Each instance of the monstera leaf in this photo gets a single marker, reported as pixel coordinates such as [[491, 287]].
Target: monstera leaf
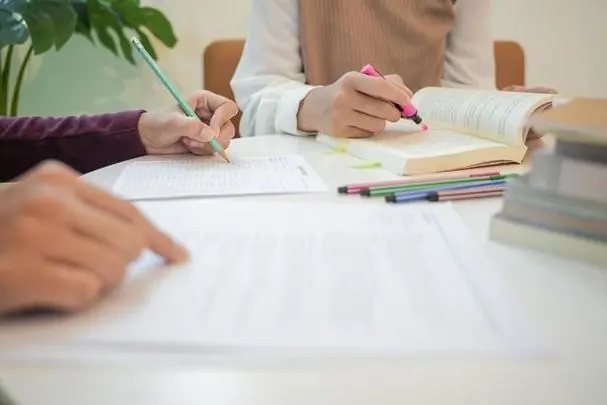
[[46, 23], [51, 23], [113, 22]]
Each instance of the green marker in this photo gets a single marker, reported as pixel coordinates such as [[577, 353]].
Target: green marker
[[181, 101], [384, 191]]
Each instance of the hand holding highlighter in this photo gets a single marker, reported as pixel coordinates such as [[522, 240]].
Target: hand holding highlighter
[[407, 111], [354, 106]]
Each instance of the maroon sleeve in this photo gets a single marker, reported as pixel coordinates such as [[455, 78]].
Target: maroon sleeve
[[85, 143]]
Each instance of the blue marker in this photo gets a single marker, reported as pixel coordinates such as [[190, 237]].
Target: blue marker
[[417, 195]]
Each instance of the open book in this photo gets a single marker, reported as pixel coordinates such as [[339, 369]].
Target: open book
[[467, 128]]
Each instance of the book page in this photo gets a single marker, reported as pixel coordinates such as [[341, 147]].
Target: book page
[[433, 142], [497, 115], [191, 176], [301, 278]]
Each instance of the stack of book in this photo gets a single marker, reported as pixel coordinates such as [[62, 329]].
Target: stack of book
[[560, 205]]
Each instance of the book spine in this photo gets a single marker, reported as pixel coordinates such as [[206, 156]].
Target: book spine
[[567, 176], [581, 151]]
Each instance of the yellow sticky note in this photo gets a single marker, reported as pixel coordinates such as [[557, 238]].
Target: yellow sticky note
[[338, 149], [368, 165]]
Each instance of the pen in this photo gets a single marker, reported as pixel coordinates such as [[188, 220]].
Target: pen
[[397, 196], [452, 196], [383, 191], [181, 101], [357, 188], [443, 195], [407, 111]]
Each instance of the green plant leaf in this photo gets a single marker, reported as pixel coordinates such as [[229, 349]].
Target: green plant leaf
[[41, 28], [147, 44], [83, 20], [46, 22], [101, 20], [13, 30], [159, 26], [63, 17]]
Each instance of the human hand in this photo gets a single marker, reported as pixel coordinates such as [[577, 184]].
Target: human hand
[[355, 106], [533, 134], [172, 132], [64, 244]]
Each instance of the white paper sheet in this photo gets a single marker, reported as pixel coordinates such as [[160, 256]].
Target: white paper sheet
[[300, 278], [205, 176]]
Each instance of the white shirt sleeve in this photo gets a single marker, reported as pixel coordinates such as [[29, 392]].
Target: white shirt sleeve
[[268, 83], [469, 57]]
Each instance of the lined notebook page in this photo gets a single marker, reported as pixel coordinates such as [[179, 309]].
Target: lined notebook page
[[174, 177], [301, 278], [499, 115]]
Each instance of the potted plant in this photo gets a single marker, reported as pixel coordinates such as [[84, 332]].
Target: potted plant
[[38, 26]]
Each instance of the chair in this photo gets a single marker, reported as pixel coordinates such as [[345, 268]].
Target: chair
[[221, 57], [509, 64], [219, 62]]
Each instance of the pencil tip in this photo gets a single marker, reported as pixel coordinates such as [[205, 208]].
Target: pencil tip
[[225, 156]]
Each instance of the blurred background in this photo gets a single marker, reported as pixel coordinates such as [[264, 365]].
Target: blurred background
[[565, 44]]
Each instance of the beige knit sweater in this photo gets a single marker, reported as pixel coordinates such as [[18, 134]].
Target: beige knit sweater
[[406, 37]]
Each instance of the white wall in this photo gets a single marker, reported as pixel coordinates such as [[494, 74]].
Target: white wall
[[565, 43]]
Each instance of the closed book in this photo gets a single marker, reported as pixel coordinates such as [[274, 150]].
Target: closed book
[[581, 151], [519, 234], [563, 175]]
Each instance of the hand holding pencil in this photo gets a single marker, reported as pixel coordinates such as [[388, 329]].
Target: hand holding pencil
[[172, 132], [206, 127]]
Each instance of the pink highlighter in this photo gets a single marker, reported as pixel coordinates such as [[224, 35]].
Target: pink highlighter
[[408, 111]]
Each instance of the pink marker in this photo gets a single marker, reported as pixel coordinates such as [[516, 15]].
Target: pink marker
[[408, 111]]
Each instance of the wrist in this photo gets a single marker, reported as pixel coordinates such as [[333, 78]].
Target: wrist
[[307, 114], [144, 128]]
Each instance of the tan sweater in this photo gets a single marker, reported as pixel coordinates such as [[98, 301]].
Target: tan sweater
[[406, 37]]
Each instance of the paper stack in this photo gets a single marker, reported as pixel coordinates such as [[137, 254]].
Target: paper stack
[[560, 205]]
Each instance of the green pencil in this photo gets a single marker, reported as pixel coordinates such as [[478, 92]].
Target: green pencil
[[384, 191], [181, 101]]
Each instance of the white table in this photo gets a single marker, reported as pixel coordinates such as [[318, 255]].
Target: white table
[[567, 302]]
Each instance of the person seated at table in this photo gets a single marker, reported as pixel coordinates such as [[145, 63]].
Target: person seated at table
[[64, 244], [88, 143], [298, 73]]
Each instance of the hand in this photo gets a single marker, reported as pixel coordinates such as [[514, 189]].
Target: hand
[[532, 134], [172, 132], [355, 106], [64, 244], [523, 89]]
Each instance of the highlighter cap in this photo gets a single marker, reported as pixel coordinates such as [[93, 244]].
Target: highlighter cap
[[416, 118]]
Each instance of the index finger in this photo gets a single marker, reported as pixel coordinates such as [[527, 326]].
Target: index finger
[[379, 88], [157, 241], [206, 102], [222, 114]]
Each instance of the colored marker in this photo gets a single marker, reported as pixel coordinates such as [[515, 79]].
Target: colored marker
[[465, 196], [383, 191], [181, 101], [407, 111], [394, 197], [358, 187]]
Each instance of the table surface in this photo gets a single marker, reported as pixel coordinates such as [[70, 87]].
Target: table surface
[[566, 301]]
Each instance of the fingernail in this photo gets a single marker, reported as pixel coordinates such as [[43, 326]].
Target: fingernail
[[180, 254]]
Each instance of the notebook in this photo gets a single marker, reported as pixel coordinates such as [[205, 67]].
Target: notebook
[[467, 128]]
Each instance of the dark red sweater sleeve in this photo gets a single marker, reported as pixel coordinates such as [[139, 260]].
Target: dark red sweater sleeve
[[85, 143]]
